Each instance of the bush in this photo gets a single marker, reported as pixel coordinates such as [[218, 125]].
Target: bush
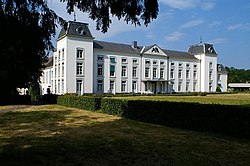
[[49, 98], [82, 102]]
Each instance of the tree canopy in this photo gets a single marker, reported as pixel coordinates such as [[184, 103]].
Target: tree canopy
[[28, 25], [238, 75]]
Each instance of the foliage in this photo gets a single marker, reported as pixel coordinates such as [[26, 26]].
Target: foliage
[[238, 75], [34, 90], [82, 102]]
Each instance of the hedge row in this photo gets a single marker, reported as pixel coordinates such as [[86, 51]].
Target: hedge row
[[224, 119], [18, 99], [82, 102]]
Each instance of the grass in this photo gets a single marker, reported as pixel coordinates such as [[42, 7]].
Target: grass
[[228, 99], [56, 135]]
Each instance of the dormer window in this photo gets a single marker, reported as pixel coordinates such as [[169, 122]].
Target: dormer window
[[124, 60], [80, 31], [155, 50]]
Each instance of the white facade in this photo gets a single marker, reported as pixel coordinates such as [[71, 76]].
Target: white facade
[[84, 65]]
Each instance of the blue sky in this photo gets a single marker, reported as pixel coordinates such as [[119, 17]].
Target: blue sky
[[181, 23]]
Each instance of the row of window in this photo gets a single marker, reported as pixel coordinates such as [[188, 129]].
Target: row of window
[[180, 86], [180, 71], [181, 65]]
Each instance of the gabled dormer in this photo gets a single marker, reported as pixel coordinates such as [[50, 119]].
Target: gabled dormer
[[153, 50]]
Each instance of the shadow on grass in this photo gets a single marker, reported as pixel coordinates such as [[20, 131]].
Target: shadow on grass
[[57, 138]]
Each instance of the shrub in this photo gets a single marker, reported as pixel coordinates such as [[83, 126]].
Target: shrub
[[82, 102], [49, 98]]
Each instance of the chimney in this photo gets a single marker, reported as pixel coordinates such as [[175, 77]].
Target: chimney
[[134, 44]]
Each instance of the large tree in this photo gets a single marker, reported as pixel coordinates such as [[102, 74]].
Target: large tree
[[28, 25]]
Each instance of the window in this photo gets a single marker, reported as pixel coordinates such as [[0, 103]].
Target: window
[[180, 64], [63, 54], [124, 71], [154, 72], [59, 70], [55, 59], [80, 54], [219, 77], [172, 73], [135, 61], [99, 69], [55, 71], [111, 86], [79, 69], [210, 65], [179, 86], [210, 87], [134, 73], [154, 62], [187, 65], [194, 86], [79, 87], [161, 63], [147, 72], [210, 75], [187, 86], [172, 64], [100, 57], [124, 60], [195, 74], [62, 69], [123, 87], [59, 86], [62, 86], [99, 86], [161, 73], [112, 60], [147, 62], [195, 66], [112, 70], [180, 74], [59, 55], [187, 74], [134, 86]]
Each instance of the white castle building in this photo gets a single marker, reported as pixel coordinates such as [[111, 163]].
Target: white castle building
[[82, 64]]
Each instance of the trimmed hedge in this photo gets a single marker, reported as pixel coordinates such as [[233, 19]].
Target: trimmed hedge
[[224, 119], [82, 102], [18, 99]]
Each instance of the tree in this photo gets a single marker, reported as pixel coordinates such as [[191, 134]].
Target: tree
[[28, 25]]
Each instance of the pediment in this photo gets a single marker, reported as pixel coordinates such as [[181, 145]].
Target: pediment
[[154, 50]]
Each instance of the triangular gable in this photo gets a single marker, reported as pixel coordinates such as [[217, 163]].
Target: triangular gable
[[154, 50]]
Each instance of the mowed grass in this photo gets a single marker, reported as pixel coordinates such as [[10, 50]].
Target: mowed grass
[[227, 99], [56, 135]]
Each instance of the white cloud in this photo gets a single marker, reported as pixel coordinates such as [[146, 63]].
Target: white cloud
[[180, 4], [188, 4], [218, 41], [192, 23], [175, 36], [245, 27], [208, 5], [214, 24]]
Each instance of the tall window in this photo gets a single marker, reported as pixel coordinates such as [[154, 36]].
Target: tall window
[[100, 57], [187, 74], [79, 87], [135, 61], [195, 87], [111, 86], [59, 55], [99, 69], [147, 72], [124, 60], [179, 86], [134, 73], [210, 87], [195, 74], [147, 62], [161, 72], [155, 62], [180, 74], [210, 65], [172, 73], [63, 54], [79, 68], [154, 72], [112, 70], [59, 70], [99, 86], [123, 86], [124, 71], [80, 53], [62, 69], [187, 86], [62, 86], [134, 86], [112, 60], [210, 75]]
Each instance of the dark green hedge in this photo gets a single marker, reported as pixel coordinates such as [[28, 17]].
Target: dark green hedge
[[18, 99], [225, 119], [82, 102]]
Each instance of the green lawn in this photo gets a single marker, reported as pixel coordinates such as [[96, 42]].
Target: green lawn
[[228, 99], [56, 135]]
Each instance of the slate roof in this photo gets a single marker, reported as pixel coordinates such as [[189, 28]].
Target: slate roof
[[116, 47], [179, 55], [201, 49], [221, 68], [76, 29]]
